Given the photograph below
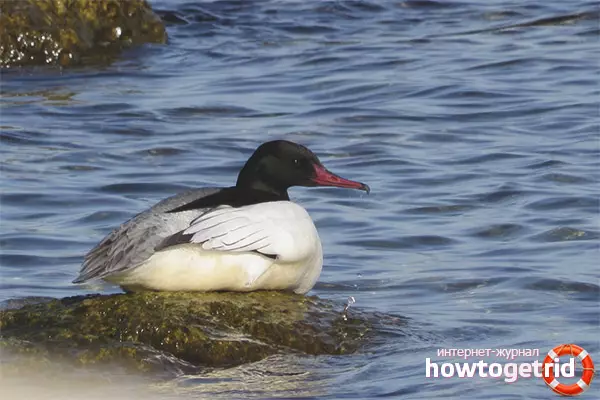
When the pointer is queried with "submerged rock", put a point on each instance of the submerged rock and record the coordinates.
(73, 32)
(203, 330)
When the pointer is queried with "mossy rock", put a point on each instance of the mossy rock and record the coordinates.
(74, 32)
(201, 329)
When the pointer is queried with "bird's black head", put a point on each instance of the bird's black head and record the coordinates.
(276, 166)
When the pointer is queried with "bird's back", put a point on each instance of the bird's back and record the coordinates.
(135, 241)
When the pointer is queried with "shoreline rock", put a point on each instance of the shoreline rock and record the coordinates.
(74, 32)
(199, 329)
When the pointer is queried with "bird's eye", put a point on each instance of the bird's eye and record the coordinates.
(296, 162)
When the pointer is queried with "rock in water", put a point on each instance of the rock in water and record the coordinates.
(74, 32)
(202, 329)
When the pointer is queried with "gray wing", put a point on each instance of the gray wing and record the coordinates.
(134, 241)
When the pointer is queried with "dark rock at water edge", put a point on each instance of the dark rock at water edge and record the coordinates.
(74, 32)
(199, 329)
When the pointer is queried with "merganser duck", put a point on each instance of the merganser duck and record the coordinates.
(242, 238)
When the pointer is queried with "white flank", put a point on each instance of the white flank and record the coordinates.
(224, 253)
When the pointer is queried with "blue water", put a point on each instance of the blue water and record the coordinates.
(475, 123)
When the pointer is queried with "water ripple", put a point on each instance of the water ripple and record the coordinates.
(564, 234)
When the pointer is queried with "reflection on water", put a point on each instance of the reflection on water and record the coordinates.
(56, 381)
(272, 377)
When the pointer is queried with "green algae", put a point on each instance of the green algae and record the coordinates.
(202, 329)
(74, 32)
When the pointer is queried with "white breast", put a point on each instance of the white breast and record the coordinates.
(228, 250)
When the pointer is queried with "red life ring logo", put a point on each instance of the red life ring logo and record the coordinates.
(574, 351)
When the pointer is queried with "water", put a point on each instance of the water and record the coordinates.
(475, 123)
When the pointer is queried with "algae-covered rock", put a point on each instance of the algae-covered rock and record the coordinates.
(73, 32)
(210, 329)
